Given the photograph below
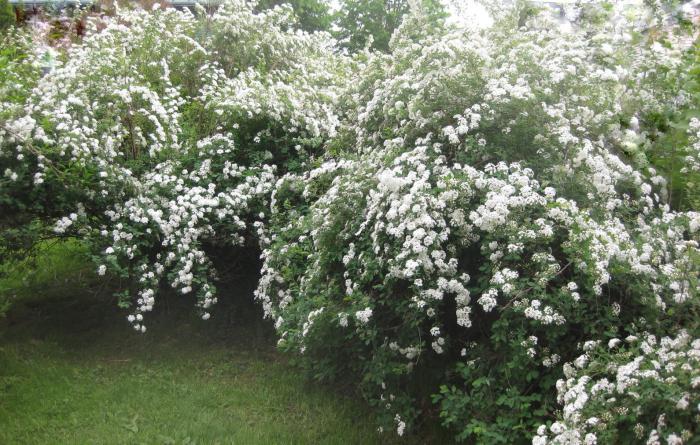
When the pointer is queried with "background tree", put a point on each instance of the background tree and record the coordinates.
(7, 15)
(359, 20)
(313, 15)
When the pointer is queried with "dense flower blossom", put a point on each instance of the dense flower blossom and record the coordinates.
(114, 130)
(593, 406)
(495, 191)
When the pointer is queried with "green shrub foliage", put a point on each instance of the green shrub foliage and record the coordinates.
(493, 208)
(157, 137)
(7, 15)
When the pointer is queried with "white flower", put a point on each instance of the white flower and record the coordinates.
(590, 439)
(364, 315)
(400, 425)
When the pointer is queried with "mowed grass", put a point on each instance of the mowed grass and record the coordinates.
(73, 372)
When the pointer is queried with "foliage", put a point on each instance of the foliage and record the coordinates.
(153, 162)
(62, 266)
(70, 373)
(7, 15)
(20, 69)
(20, 73)
(492, 208)
(312, 15)
(647, 391)
(678, 153)
(372, 22)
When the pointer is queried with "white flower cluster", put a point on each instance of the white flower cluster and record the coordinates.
(494, 164)
(364, 315)
(165, 125)
(660, 379)
(692, 158)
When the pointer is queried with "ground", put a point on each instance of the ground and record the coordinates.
(73, 371)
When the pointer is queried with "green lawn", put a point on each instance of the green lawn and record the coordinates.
(72, 371)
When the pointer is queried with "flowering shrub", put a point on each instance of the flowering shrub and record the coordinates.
(17, 62)
(693, 157)
(644, 393)
(442, 224)
(158, 136)
(494, 205)
(20, 71)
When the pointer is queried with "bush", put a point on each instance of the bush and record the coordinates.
(616, 394)
(491, 207)
(20, 73)
(446, 225)
(158, 138)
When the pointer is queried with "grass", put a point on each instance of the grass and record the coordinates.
(72, 371)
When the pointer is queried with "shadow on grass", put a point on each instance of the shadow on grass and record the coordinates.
(59, 299)
(73, 371)
(88, 314)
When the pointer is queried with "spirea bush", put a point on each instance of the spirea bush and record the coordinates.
(163, 133)
(458, 227)
(20, 70)
(492, 206)
(636, 390)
